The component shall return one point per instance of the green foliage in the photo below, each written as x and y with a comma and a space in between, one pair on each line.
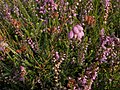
33, 41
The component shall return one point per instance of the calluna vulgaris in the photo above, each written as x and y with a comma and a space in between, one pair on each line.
59, 45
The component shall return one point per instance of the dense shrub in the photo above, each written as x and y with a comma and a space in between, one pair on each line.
59, 45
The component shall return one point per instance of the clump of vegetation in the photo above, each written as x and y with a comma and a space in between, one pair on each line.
59, 45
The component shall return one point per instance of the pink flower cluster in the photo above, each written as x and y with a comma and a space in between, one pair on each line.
108, 44
51, 3
76, 32
45, 6
87, 80
107, 8
33, 45
22, 73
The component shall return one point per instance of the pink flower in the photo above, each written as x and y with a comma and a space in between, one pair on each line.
22, 73
102, 32
75, 30
22, 68
80, 27
52, 3
107, 3
79, 35
82, 33
84, 81
70, 35
57, 55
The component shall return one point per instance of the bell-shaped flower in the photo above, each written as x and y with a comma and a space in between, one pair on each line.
70, 35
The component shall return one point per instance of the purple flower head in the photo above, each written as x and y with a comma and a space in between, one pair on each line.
105, 54
107, 41
76, 32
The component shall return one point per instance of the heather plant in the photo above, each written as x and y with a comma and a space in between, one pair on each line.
59, 45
